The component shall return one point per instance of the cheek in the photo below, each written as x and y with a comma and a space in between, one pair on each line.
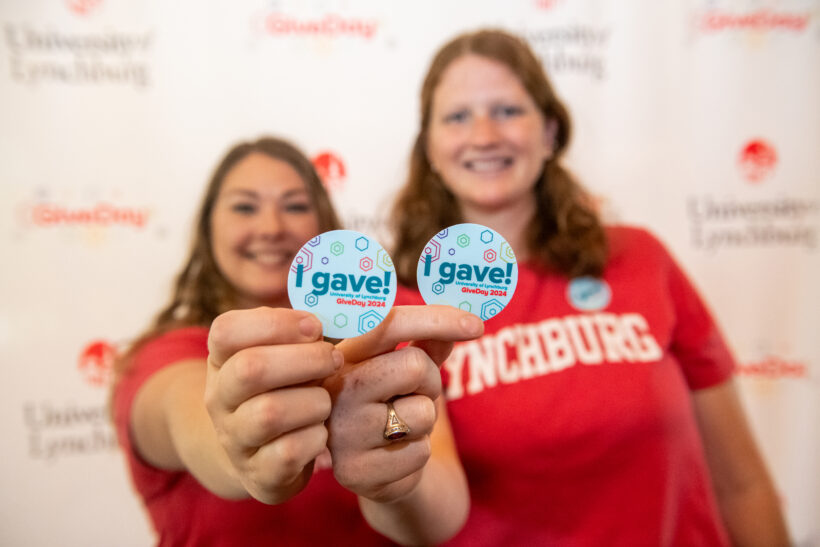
534, 140
441, 145
302, 227
225, 234
310, 227
220, 247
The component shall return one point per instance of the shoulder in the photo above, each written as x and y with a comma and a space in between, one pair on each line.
171, 346
152, 356
620, 235
162, 350
634, 243
185, 342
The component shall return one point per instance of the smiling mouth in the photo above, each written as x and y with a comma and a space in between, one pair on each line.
270, 258
488, 165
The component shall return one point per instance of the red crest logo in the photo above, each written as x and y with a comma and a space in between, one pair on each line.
757, 159
331, 170
82, 7
96, 362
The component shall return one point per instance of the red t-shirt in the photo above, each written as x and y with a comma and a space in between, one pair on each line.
573, 416
185, 513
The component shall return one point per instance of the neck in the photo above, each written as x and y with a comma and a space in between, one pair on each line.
510, 222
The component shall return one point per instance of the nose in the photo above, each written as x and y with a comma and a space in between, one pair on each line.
271, 221
484, 132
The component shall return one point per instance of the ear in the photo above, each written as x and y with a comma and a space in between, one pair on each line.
550, 135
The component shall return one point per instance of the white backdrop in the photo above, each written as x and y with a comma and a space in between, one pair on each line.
698, 119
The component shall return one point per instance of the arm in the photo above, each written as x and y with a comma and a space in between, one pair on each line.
171, 429
746, 495
261, 423
412, 490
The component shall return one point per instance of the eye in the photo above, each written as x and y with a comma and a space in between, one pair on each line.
505, 111
244, 208
459, 116
298, 207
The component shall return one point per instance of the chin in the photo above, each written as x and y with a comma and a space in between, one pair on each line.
491, 205
270, 298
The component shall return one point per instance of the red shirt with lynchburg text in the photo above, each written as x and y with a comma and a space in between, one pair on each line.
575, 425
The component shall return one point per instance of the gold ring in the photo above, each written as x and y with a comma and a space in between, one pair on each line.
395, 428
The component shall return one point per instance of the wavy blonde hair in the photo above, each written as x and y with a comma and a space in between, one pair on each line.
565, 234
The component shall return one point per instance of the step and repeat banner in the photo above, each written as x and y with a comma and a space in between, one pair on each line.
697, 119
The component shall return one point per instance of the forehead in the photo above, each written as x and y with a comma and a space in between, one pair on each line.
473, 77
258, 172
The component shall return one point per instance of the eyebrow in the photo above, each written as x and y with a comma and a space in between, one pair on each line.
242, 191
255, 195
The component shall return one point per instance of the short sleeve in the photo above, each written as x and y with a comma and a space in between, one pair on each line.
697, 342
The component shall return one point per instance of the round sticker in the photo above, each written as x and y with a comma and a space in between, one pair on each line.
588, 293
470, 267
344, 278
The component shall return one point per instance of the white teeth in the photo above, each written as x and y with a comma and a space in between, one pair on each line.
488, 165
270, 258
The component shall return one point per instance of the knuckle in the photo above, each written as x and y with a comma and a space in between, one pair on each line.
271, 413
288, 457
271, 318
293, 452
249, 367
425, 450
220, 330
428, 413
228, 442
211, 401
323, 357
323, 403
415, 362
348, 473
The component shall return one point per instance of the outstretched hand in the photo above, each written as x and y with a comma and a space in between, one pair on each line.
375, 373
264, 396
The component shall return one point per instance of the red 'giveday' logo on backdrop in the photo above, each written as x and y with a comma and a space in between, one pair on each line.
546, 4
101, 214
331, 170
749, 15
327, 25
96, 362
82, 7
773, 367
757, 159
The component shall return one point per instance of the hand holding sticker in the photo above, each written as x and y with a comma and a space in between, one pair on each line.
346, 279
470, 267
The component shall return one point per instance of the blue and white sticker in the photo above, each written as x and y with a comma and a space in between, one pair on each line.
588, 293
345, 279
470, 267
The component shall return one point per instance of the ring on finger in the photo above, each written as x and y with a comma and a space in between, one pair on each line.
395, 428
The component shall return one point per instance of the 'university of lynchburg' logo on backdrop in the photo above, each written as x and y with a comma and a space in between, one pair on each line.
82, 7
96, 362
757, 159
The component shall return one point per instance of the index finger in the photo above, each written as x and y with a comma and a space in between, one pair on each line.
413, 323
239, 329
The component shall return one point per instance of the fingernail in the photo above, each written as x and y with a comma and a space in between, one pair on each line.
472, 325
310, 327
338, 359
